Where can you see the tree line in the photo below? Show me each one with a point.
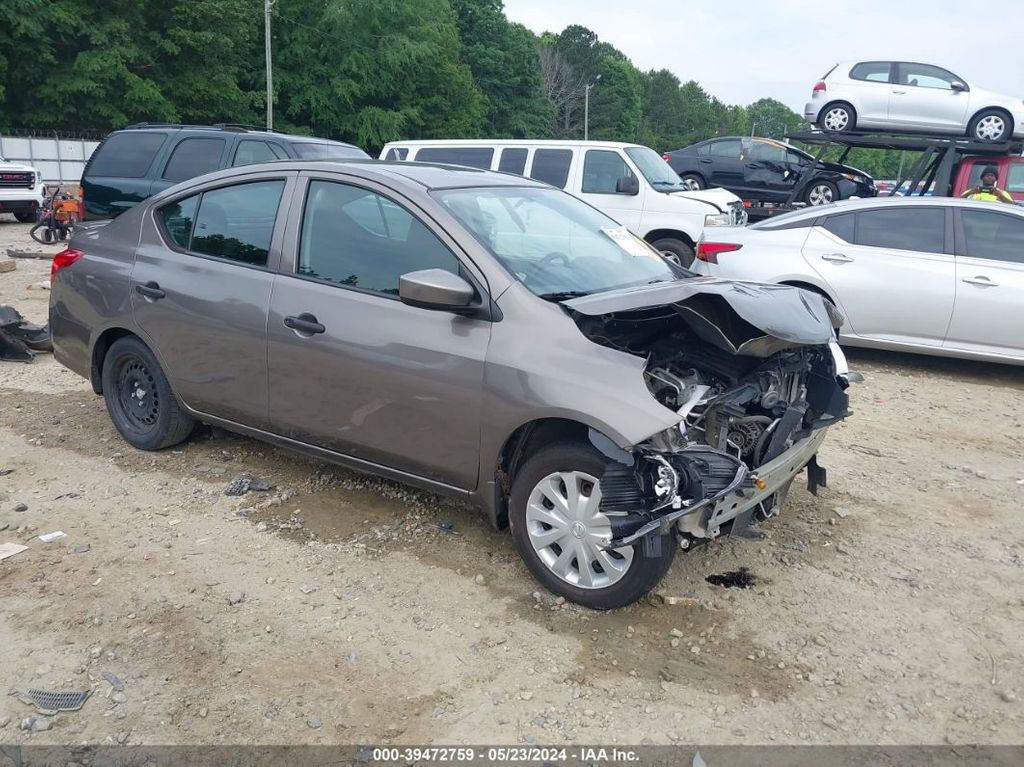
(364, 71)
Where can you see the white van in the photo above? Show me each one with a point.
(628, 182)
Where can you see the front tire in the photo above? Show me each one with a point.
(991, 125)
(675, 250)
(139, 398)
(821, 193)
(25, 217)
(557, 526)
(839, 117)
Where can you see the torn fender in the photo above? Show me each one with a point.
(746, 318)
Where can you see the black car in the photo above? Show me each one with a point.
(138, 161)
(765, 170)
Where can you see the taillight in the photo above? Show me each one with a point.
(708, 251)
(64, 258)
(664, 157)
(819, 87)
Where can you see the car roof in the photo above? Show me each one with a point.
(871, 203)
(512, 142)
(430, 176)
(229, 128)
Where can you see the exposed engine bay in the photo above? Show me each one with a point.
(739, 413)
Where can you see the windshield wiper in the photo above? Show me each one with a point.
(666, 183)
(563, 295)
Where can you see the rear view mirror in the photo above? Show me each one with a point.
(957, 85)
(627, 185)
(435, 289)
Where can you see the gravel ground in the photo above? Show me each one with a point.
(336, 608)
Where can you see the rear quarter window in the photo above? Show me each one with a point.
(193, 157)
(551, 166)
(126, 155)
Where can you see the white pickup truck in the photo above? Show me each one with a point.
(22, 191)
(628, 182)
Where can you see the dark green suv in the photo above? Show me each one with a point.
(138, 161)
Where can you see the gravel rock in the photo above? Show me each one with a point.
(307, 588)
(4, 721)
(26, 723)
(480, 580)
(526, 695)
(119, 697)
(676, 633)
(1008, 695)
(21, 507)
(314, 722)
(42, 724)
(236, 597)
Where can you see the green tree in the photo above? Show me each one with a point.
(503, 59)
(615, 101)
(772, 118)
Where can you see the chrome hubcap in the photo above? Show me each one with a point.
(836, 119)
(567, 530)
(820, 195)
(990, 128)
(691, 184)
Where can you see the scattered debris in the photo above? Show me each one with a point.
(7, 265)
(21, 507)
(10, 549)
(5, 472)
(480, 580)
(82, 549)
(236, 597)
(40, 254)
(841, 511)
(735, 579)
(307, 588)
(243, 483)
(47, 700)
(661, 598)
(114, 680)
(19, 339)
(56, 535)
(314, 722)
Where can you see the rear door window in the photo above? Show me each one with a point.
(726, 148)
(872, 71)
(921, 229)
(249, 152)
(126, 155)
(996, 236)
(470, 156)
(513, 160)
(551, 166)
(842, 226)
(237, 222)
(193, 157)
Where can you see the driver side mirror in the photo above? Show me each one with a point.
(627, 185)
(958, 86)
(436, 289)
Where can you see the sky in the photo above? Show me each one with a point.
(743, 50)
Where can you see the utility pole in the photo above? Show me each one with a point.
(586, 108)
(267, 4)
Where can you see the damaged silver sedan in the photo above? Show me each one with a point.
(471, 333)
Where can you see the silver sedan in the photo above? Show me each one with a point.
(937, 275)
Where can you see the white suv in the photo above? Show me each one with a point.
(905, 96)
(628, 182)
(22, 191)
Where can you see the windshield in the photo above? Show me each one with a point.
(556, 245)
(309, 150)
(658, 173)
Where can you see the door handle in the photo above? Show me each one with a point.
(304, 323)
(981, 281)
(706, 161)
(754, 165)
(899, 93)
(837, 258)
(150, 290)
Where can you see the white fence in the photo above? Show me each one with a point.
(59, 160)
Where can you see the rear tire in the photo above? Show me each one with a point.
(839, 117)
(139, 398)
(572, 470)
(675, 250)
(821, 193)
(693, 182)
(25, 217)
(991, 125)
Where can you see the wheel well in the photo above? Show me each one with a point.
(658, 234)
(523, 442)
(696, 173)
(810, 287)
(99, 353)
(837, 102)
(1005, 112)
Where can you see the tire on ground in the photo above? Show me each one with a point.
(675, 249)
(171, 424)
(643, 573)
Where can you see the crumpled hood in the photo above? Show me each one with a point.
(748, 318)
